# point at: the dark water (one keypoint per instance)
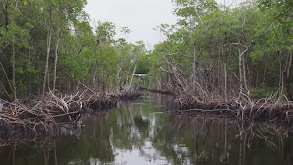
(138, 133)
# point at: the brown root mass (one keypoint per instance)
(245, 109)
(44, 117)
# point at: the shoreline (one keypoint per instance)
(43, 118)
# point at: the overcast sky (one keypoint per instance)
(141, 16)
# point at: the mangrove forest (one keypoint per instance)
(217, 89)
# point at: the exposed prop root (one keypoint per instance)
(195, 96)
(129, 93)
(245, 109)
(39, 118)
(43, 118)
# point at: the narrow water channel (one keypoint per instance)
(139, 133)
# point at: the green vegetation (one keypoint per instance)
(228, 51)
(50, 45)
(263, 91)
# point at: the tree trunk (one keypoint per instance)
(134, 70)
(288, 76)
(119, 77)
(13, 70)
(225, 82)
(244, 72)
(194, 63)
(224, 51)
(56, 58)
(128, 73)
(281, 82)
(240, 72)
(49, 36)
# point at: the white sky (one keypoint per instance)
(140, 16)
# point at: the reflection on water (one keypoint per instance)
(139, 133)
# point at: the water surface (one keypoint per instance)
(140, 133)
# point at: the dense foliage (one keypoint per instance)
(50, 45)
(245, 50)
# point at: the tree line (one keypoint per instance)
(49, 45)
(225, 51)
(215, 50)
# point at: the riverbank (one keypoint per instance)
(245, 108)
(141, 126)
(278, 110)
(43, 118)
